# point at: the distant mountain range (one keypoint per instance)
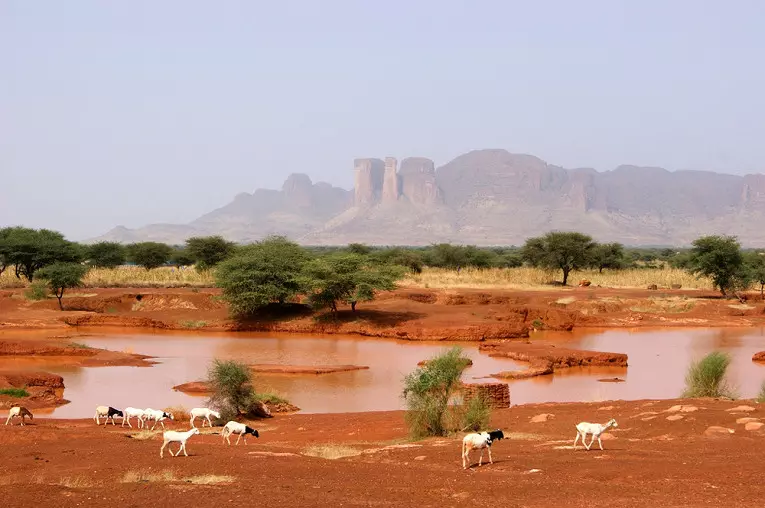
(485, 197)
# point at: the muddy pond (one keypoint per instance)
(657, 363)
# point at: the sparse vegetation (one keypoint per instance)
(193, 324)
(144, 435)
(37, 290)
(706, 377)
(761, 394)
(78, 345)
(428, 391)
(18, 393)
(331, 451)
(231, 385)
(477, 414)
(170, 476)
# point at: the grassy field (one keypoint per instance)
(510, 278)
(534, 278)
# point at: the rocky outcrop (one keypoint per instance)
(418, 181)
(391, 186)
(368, 181)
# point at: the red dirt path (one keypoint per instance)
(652, 462)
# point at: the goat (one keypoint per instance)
(19, 412)
(172, 436)
(233, 427)
(204, 413)
(479, 442)
(130, 412)
(596, 429)
(108, 412)
(157, 415)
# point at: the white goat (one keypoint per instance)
(204, 413)
(19, 412)
(233, 427)
(172, 436)
(107, 412)
(157, 415)
(481, 442)
(596, 429)
(131, 412)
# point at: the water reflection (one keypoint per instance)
(657, 363)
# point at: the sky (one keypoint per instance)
(128, 113)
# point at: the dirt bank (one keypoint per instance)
(304, 369)
(414, 314)
(72, 354)
(45, 390)
(545, 359)
(653, 458)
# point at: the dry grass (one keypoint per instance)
(169, 476)
(145, 435)
(76, 482)
(180, 413)
(129, 276)
(331, 451)
(534, 278)
(664, 305)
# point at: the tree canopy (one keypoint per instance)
(208, 251)
(719, 258)
(559, 250)
(28, 250)
(262, 273)
(349, 278)
(607, 255)
(106, 254)
(149, 254)
(62, 276)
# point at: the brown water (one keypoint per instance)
(657, 363)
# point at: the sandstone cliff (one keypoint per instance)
(488, 197)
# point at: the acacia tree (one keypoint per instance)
(262, 273)
(607, 255)
(564, 251)
(208, 251)
(719, 258)
(62, 276)
(106, 254)
(149, 254)
(755, 262)
(28, 250)
(350, 278)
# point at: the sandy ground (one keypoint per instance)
(648, 461)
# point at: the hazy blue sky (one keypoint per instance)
(158, 111)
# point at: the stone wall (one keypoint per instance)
(497, 393)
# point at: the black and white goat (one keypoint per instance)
(479, 441)
(157, 415)
(107, 412)
(233, 427)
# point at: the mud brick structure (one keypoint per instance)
(498, 394)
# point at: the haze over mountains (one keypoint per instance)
(485, 197)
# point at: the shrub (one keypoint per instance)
(477, 413)
(18, 393)
(231, 386)
(706, 378)
(38, 290)
(428, 390)
(761, 395)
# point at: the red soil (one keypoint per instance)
(304, 369)
(648, 461)
(759, 357)
(45, 389)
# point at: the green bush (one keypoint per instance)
(477, 413)
(231, 387)
(706, 378)
(62, 276)
(38, 290)
(18, 393)
(428, 391)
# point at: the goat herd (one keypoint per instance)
(475, 441)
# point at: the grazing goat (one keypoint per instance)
(131, 412)
(19, 412)
(157, 415)
(233, 427)
(172, 436)
(479, 442)
(596, 429)
(204, 413)
(107, 412)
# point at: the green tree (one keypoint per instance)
(359, 248)
(559, 250)
(428, 390)
(62, 276)
(409, 259)
(231, 387)
(149, 254)
(208, 251)
(719, 258)
(4, 249)
(106, 254)
(350, 278)
(755, 262)
(28, 250)
(265, 272)
(181, 257)
(608, 255)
